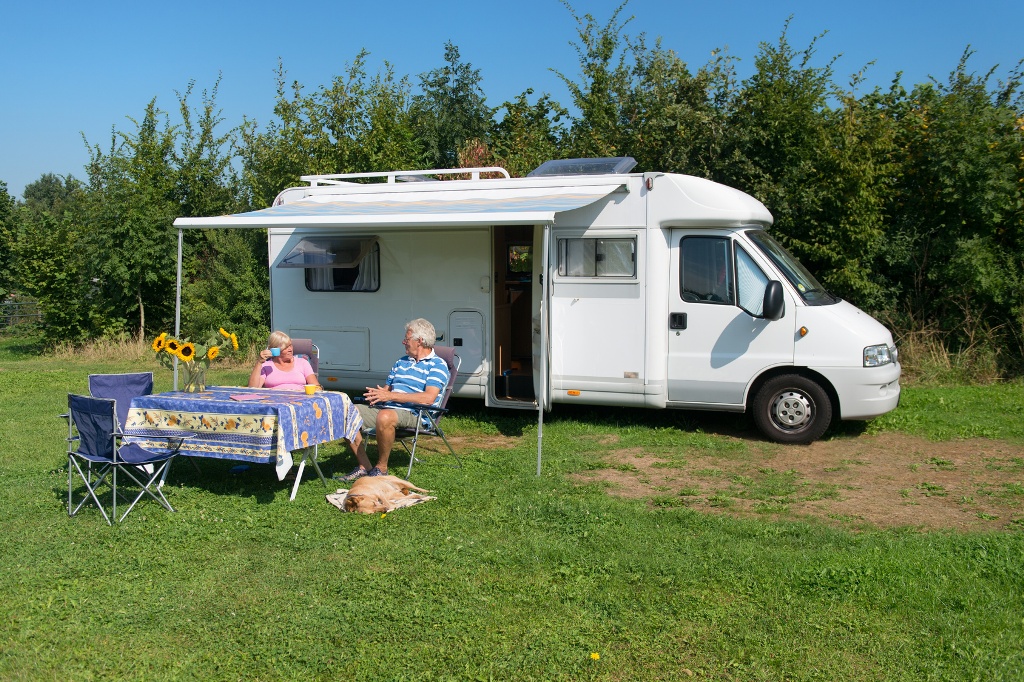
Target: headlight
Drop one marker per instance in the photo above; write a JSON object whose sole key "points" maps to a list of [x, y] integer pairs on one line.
{"points": [[876, 356]]}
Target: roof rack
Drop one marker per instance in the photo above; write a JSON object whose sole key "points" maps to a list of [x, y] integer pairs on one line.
{"points": [[400, 176]]}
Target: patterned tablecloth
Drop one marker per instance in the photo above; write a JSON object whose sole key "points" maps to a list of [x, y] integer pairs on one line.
{"points": [[257, 425]]}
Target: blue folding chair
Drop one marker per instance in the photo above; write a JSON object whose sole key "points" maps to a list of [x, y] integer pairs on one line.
{"points": [[121, 388], [100, 456]]}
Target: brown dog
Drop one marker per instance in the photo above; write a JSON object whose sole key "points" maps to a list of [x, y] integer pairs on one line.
{"points": [[372, 494]]}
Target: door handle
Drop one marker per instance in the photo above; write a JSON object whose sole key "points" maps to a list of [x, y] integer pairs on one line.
{"points": [[677, 320]]}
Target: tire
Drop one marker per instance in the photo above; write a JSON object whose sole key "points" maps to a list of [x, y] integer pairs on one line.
{"points": [[792, 409]]}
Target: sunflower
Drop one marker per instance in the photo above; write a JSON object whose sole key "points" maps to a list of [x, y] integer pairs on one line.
{"points": [[172, 346], [187, 352], [234, 341], [159, 342], [212, 352], [224, 333]]}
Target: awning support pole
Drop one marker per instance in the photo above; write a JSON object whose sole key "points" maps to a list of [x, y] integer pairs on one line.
{"points": [[177, 308]]}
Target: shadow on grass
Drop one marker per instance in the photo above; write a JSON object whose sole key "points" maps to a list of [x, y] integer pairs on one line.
{"points": [[258, 481], [17, 346], [514, 423], [228, 477]]}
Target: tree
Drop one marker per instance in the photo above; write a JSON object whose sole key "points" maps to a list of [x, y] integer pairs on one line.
{"points": [[598, 97], [817, 169], [8, 231], [387, 138], [957, 207], [205, 180], [228, 285], [53, 193], [136, 189], [668, 120], [528, 134], [328, 131], [48, 261], [130, 209], [642, 100], [450, 111]]}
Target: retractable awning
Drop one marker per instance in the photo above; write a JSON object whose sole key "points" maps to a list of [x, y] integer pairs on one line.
{"points": [[467, 207]]}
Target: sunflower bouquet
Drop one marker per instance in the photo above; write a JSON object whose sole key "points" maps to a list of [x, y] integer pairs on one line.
{"points": [[195, 356]]}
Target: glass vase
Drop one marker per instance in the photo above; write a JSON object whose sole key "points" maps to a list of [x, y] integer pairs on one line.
{"points": [[195, 378]]}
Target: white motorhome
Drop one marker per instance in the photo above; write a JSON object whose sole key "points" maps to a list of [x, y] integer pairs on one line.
{"points": [[581, 283]]}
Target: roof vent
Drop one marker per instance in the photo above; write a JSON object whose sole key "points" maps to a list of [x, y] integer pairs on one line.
{"points": [[611, 166]]}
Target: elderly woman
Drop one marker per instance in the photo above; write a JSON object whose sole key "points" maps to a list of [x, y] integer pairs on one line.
{"points": [[283, 371]]}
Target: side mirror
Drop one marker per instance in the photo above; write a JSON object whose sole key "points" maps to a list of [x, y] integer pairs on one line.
{"points": [[774, 306]]}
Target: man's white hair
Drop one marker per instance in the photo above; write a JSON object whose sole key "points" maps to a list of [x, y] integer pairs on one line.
{"points": [[424, 331]]}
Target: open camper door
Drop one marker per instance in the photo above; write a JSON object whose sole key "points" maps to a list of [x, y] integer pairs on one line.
{"points": [[541, 329]]}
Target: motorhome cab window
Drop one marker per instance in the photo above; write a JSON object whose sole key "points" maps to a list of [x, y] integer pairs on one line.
{"points": [[705, 270], [802, 280], [750, 283], [592, 257], [337, 263]]}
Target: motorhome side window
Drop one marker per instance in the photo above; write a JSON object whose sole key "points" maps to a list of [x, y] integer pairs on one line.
{"points": [[337, 263], [706, 273], [595, 257]]}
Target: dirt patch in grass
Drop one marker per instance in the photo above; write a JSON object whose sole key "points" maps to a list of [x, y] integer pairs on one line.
{"points": [[882, 481]]}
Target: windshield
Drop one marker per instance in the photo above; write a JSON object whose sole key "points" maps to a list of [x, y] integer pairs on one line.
{"points": [[801, 279]]}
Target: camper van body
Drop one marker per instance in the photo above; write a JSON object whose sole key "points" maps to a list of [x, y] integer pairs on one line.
{"points": [[643, 290]]}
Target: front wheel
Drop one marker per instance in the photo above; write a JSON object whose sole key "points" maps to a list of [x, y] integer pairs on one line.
{"points": [[792, 409]]}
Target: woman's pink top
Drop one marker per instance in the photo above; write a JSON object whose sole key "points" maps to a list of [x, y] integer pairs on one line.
{"points": [[293, 380]]}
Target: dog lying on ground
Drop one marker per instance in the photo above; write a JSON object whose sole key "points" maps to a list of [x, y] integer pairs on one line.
{"points": [[373, 494]]}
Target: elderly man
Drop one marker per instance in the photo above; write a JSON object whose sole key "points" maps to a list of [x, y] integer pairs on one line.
{"points": [[417, 377]]}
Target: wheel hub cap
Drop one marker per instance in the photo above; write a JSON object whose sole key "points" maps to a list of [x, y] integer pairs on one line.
{"points": [[791, 410]]}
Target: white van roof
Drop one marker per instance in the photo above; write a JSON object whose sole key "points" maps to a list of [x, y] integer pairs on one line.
{"points": [[412, 198]]}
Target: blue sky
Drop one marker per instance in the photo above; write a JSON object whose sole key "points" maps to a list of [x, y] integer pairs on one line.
{"points": [[74, 68]]}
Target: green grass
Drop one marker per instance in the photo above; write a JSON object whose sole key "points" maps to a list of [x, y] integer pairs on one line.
{"points": [[941, 413], [506, 576]]}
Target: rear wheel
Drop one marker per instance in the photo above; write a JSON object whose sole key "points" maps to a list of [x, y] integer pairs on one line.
{"points": [[792, 409]]}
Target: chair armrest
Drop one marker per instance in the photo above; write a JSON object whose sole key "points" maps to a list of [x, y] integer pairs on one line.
{"points": [[419, 407]]}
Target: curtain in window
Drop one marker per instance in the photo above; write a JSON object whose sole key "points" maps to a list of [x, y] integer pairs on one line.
{"points": [[752, 283], [368, 278], [320, 279]]}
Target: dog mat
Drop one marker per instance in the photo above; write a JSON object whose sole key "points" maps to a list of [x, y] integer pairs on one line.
{"points": [[338, 500]]}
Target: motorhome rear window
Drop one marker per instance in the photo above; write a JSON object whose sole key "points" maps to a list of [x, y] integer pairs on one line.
{"points": [[595, 257], [337, 263]]}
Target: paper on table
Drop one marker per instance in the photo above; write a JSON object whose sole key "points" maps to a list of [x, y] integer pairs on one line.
{"points": [[247, 396]]}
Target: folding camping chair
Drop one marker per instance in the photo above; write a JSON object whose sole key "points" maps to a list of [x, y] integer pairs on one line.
{"points": [[305, 348], [92, 426], [429, 421], [121, 388]]}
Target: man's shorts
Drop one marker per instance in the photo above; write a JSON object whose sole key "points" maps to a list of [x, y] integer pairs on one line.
{"points": [[406, 419]]}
